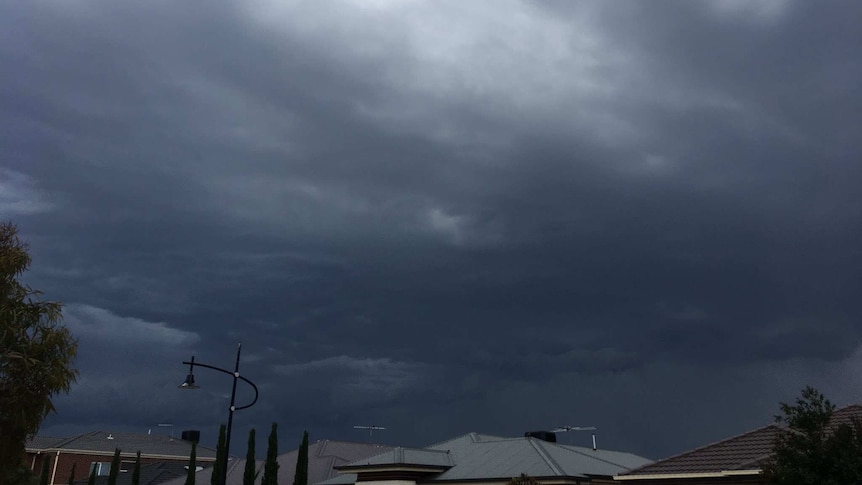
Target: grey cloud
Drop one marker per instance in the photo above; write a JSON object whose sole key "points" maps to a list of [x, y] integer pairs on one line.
{"points": [[443, 206]]}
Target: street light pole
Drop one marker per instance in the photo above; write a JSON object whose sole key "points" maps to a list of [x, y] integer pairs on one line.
{"points": [[190, 384]]}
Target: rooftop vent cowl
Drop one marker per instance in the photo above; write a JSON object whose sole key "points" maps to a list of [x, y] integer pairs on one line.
{"points": [[548, 436]]}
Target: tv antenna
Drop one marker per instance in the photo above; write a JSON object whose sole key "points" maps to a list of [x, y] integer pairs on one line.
{"points": [[167, 425], [370, 429], [563, 429]]}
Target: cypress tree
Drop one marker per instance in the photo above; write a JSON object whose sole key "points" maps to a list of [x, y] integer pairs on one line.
{"points": [[115, 468], [46, 467], [249, 474], [190, 474], [270, 468], [301, 475], [72, 474], [92, 479], [221, 459], [136, 474]]}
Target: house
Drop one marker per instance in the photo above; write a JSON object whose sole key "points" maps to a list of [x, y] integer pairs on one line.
{"points": [[323, 457], [95, 450], [736, 460], [480, 458]]}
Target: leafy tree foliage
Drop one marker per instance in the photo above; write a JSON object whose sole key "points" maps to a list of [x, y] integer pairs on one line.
{"points": [[220, 464], [523, 479], [270, 467], [249, 475], [190, 474], [36, 354], [301, 475], [810, 449]]}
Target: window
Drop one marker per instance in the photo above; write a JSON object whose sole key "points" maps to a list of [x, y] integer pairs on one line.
{"points": [[103, 468]]}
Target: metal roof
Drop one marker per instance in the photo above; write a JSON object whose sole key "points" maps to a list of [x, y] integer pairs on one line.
{"points": [[104, 443], [323, 456], [476, 456], [415, 457], [479, 456]]}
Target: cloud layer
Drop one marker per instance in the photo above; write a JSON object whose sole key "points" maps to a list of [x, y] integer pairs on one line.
{"points": [[442, 217]]}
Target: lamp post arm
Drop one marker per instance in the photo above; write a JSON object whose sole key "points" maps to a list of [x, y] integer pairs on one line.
{"points": [[255, 393], [194, 364], [198, 364]]}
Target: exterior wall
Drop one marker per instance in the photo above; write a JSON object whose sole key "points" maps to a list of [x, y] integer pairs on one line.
{"points": [[82, 464]]}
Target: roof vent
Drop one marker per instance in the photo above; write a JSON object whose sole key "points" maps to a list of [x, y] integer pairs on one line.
{"points": [[548, 436], [192, 435], [110, 436]]}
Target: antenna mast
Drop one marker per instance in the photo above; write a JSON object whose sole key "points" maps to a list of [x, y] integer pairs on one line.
{"points": [[563, 429], [370, 429]]}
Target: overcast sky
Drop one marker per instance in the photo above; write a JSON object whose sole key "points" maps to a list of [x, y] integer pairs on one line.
{"points": [[442, 217]]}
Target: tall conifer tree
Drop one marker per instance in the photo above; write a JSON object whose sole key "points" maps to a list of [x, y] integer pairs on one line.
{"points": [[249, 474], [221, 460], [115, 468], [270, 468], [301, 475], [136, 474]]}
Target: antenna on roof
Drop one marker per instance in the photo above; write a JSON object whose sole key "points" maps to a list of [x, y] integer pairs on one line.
{"points": [[563, 429], [166, 425], [370, 429]]}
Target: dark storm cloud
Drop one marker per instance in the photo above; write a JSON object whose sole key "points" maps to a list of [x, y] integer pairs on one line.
{"points": [[521, 214]]}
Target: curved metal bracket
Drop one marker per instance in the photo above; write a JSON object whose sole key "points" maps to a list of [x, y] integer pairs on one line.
{"points": [[192, 364]]}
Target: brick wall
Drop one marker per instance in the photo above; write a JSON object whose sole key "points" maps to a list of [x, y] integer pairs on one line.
{"points": [[82, 463]]}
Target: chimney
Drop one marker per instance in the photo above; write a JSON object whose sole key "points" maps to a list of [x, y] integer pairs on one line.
{"points": [[192, 435]]}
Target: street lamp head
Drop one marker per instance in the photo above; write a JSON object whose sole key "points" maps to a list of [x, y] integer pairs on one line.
{"points": [[189, 383]]}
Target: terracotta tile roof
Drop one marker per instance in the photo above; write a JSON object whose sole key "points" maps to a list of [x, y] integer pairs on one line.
{"points": [[747, 451], [846, 415]]}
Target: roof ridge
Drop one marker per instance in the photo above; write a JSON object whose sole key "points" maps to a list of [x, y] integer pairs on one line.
{"points": [[472, 434], [70, 439], [577, 449], [709, 445], [321, 448], [555, 467]]}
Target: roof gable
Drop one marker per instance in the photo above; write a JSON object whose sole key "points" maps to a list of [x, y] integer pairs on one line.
{"points": [[745, 451], [475, 456], [748, 451]]}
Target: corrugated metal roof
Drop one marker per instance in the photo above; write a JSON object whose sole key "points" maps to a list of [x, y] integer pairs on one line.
{"points": [[478, 456], [483, 457], [407, 456]]}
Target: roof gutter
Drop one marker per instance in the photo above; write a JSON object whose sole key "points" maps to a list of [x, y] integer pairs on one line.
{"points": [[662, 476]]}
